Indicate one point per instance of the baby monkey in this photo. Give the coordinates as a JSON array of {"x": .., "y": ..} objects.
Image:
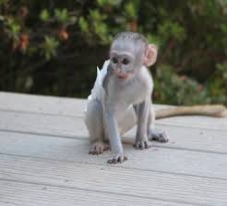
[{"x": 121, "y": 98}]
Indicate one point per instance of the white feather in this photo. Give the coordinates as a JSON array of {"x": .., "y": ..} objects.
[{"x": 98, "y": 91}]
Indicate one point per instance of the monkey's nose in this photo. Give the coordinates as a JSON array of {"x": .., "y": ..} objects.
[
  {"x": 118, "y": 70},
  {"x": 122, "y": 75}
]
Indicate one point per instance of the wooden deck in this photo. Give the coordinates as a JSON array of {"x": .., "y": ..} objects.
[{"x": 44, "y": 160}]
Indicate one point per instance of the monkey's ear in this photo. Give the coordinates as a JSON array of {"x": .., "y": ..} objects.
[{"x": 151, "y": 53}]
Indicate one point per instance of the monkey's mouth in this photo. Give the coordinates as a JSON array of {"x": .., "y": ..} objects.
[{"x": 123, "y": 75}]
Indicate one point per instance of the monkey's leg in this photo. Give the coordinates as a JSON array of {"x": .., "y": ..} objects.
[
  {"x": 153, "y": 134},
  {"x": 142, "y": 111},
  {"x": 94, "y": 123}
]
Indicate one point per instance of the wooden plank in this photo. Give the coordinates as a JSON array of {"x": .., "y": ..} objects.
[
  {"x": 184, "y": 162},
  {"x": 75, "y": 107},
  {"x": 202, "y": 122},
  {"x": 116, "y": 180},
  {"x": 41, "y": 104},
  {"x": 72, "y": 127},
  {"x": 30, "y": 194},
  {"x": 42, "y": 124}
]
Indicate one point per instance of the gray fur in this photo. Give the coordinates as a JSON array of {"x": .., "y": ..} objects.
[{"x": 116, "y": 116}]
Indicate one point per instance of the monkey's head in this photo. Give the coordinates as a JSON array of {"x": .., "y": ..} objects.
[{"x": 129, "y": 52}]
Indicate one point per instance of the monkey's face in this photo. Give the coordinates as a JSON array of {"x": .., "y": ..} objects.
[
  {"x": 127, "y": 56},
  {"x": 122, "y": 64},
  {"x": 126, "y": 59},
  {"x": 129, "y": 52}
]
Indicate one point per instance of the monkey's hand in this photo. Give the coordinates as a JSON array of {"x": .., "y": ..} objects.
[
  {"x": 118, "y": 158},
  {"x": 142, "y": 143}
]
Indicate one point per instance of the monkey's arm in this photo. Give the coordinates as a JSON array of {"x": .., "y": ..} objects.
[
  {"x": 206, "y": 110},
  {"x": 114, "y": 136}
]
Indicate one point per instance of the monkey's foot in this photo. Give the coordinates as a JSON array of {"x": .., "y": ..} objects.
[
  {"x": 142, "y": 144},
  {"x": 117, "y": 159},
  {"x": 158, "y": 136},
  {"x": 98, "y": 148}
]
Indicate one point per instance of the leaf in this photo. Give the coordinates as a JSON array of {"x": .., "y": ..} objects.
[
  {"x": 83, "y": 24},
  {"x": 130, "y": 10},
  {"x": 45, "y": 15},
  {"x": 50, "y": 45},
  {"x": 62, "y": 15}
]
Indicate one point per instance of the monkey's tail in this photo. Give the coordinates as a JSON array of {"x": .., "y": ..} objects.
[{"x": 204, "y": 110}]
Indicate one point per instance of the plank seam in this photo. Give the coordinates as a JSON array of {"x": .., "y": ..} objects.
[
  {"x": 120, "y": 166},
  {"x": 39, "y": 113}
]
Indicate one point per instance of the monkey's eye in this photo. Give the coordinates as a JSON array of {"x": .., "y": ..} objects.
[
  {"x": 114, "y": 60},
  {"x": 125, "y": 61}
]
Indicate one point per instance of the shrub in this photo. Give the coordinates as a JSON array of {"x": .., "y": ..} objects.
[{"x": 53, "y": 47}]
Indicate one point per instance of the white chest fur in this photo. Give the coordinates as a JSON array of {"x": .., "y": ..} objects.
[
  {"x": 124, "y": 94},
  {"x": 136, "y": 90}
]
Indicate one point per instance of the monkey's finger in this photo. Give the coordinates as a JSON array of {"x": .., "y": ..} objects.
[
  {"x": 122, "y": 159},
  {"x": 91, "y": 152},
  {"x": 94, "y": 151},
  {"x": 137, "y": 145},
  {"x": 112, "y": 161},
  {"x": 106, "y": 147},
  {"x": 109, "y": 161},
  {"x": 141, "y": 145},
  {"x": 100, "y": 150},
  {"x": 117, "y": 159},
  {"x": 147, "y": 145}
]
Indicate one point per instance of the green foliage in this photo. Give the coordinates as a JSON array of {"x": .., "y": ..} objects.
[
  {"x": 84, "y": 26},
  {"x": 62, "y": 15},
  {"x": 217, "y": 86},
  {"x": 13, "y": 28},
  {"x": 131, "y": 10},
  {"x": 45, "y": 15},
  {"x": 50, "y": 46},
  {"x": 173, "y": 30},
  {"x": 103, "y": 3},
  {"x": 178, "y": 90},
  {"x": 53, "y": 47}
]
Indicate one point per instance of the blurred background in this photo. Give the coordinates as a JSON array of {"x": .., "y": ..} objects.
[{"x": 52, "y": 47}]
